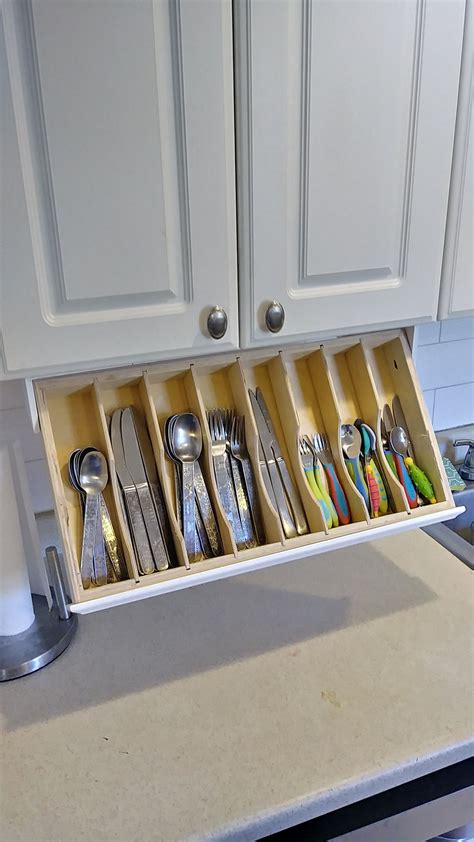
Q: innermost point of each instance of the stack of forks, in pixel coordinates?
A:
(234, 477)
(318, 465)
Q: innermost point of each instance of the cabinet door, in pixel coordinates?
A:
(124, 120)
(457, 279)
(346, 114)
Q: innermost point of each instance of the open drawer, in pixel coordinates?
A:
(306, 390)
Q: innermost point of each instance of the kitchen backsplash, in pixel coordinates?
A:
(444, 358)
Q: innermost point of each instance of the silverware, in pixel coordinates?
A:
(336, 491)
(186, 440)
(93, 478)
(290, 490)
(201, 537)
(266, 441)
(116, 567)
(134, 514)
(237, 482)
(238, 447)
(134, 462)
(223, 474)
(351, 445)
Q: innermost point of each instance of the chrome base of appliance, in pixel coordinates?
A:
(46, 638)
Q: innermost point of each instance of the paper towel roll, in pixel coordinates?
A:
(16, 606)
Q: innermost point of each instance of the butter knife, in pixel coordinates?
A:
(132, 504)
(134, 462)
(290, 490)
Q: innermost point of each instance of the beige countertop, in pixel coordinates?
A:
(241, 707)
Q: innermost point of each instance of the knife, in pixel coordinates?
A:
(290, 490)
(420, 480)
(148, 457)
(403, 475)
(266, 441)
(134, 462)
(130, 494)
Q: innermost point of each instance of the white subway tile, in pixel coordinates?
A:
(457, 329)
(429, 397)
(454, 406)
(428, 333)
(12, 394)
(445, 364)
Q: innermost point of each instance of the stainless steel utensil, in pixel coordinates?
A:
(187, 445)
(134, 514)
(135, 465)
(239, 451)
(239, 491)
(336, 491)
(93, 478)
(154, 483)
(351, 445)
(201, 539)
(288, 485)
(266, 441)
(223, 474)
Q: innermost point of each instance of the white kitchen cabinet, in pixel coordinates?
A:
(457, 280)
(125, 167)
(346, 116)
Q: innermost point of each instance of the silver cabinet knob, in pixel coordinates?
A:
(217, 322)
(275, 317)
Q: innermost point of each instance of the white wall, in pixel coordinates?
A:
(14, 418)
(444, 358)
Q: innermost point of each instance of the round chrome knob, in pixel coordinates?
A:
(217, 322)
(275, 317)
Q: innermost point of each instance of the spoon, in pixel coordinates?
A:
(351, 444)
(186, 444)
(93, 476)
(400, 443)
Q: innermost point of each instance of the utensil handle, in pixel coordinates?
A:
(207, 512)
(244, 539)
(358, 478)
(88, 538)
(420, 480)
(391, 461)
(293, 498)
(405, 480)
(164, 521)
(309, 473)
(286, 518)
(225, 493)
(383, 502)
(254, 502)
(189, 530)
(145, 561)
(100, 561)
(337, 494)
(322, 483)
(112, 545)
(373, 488)
(152, 526)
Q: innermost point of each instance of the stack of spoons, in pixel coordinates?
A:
(198, 523)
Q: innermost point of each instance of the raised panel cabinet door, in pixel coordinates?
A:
(125, 129)
(457, 279)
(346, 114)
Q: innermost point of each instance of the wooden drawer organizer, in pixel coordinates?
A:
(306, 388)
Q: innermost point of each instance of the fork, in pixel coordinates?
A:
(306, 453)
(336, 491)
(238, 449)
(224, 487)
(247, 537)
